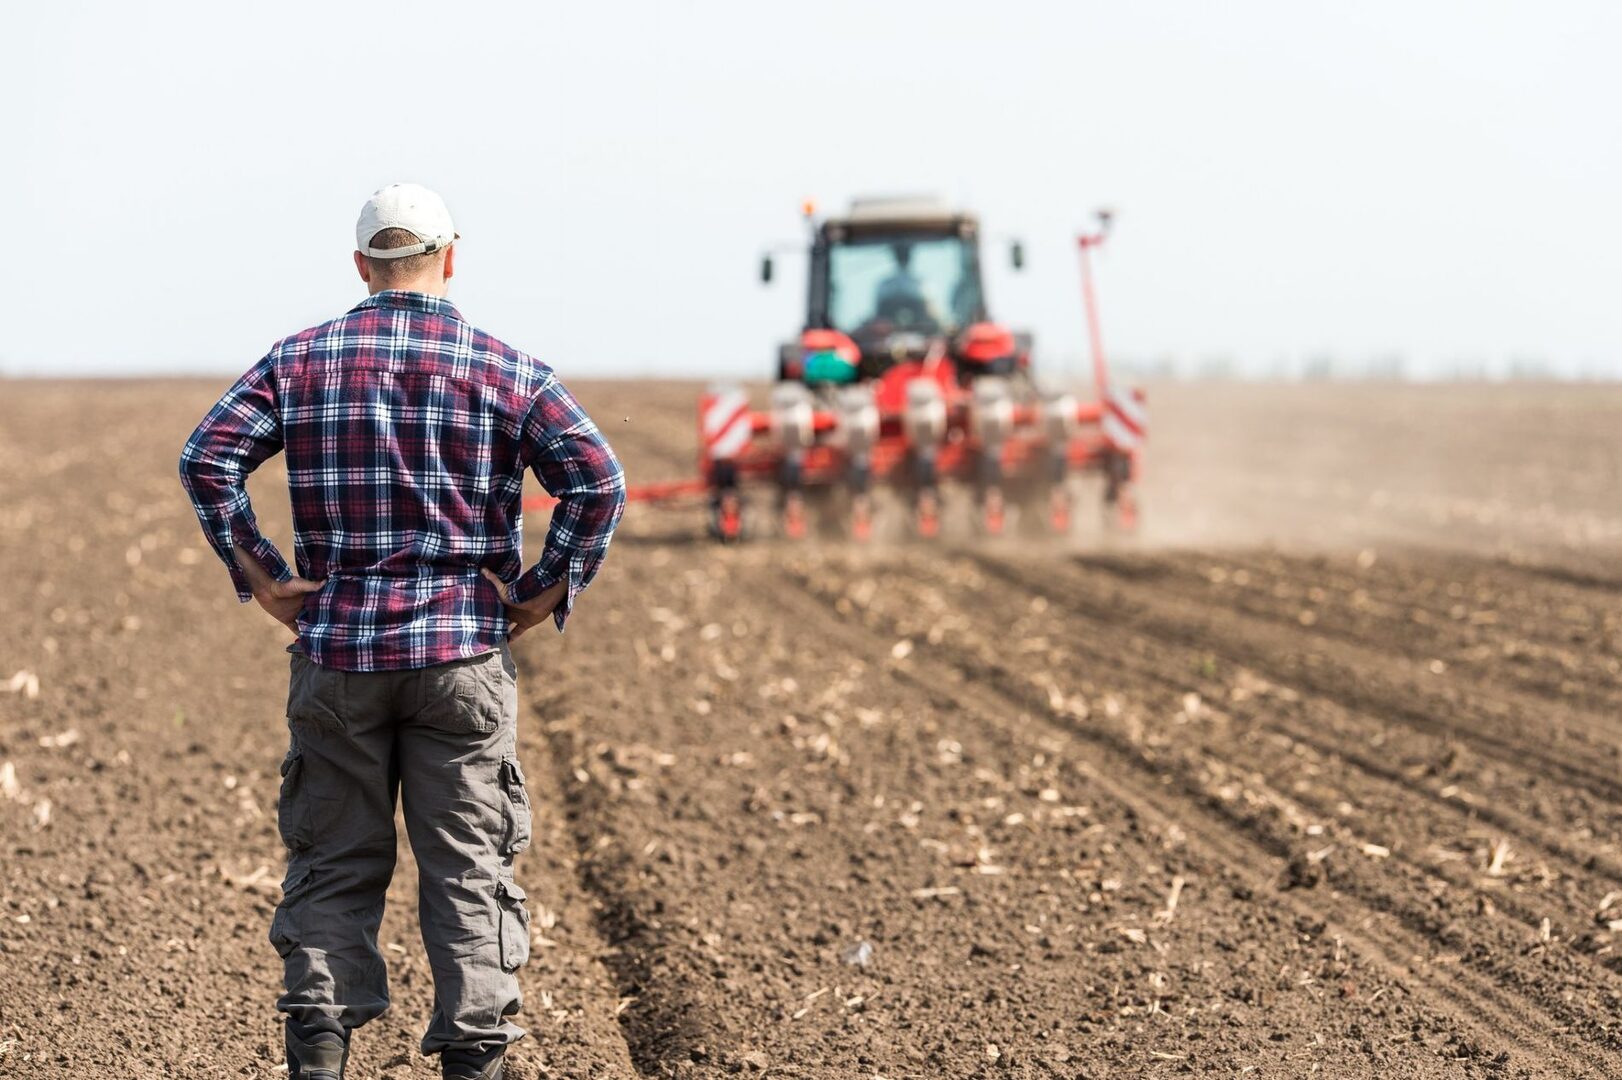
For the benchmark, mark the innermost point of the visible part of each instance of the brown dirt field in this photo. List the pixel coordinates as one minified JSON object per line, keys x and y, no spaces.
{"x":1323,"y":775}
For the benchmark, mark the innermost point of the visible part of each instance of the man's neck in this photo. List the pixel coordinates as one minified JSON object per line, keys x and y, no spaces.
{"x":430,"y":286}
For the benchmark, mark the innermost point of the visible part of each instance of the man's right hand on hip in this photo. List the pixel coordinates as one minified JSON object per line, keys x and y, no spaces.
{"x":520,"y":617}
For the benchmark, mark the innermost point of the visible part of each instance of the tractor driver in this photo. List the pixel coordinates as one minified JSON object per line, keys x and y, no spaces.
{"x":901,"y":298}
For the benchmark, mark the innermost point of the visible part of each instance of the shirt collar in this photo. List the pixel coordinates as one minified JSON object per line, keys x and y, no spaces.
{"x":403,"y":300}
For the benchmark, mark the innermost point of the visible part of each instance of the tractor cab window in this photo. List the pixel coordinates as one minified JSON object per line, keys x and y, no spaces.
{"x":903,"y":284}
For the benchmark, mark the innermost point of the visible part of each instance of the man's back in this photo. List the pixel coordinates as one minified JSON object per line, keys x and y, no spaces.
{"x":407,"y":432}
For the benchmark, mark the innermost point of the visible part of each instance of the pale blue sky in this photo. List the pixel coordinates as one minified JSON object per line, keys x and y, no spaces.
{"x":1440,"y":180}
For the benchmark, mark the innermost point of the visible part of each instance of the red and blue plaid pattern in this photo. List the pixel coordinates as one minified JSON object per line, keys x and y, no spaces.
{"x":407,"y":432}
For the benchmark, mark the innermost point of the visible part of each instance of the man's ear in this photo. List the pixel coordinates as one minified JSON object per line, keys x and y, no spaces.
{"x":450,"y":262}
{"x":364,"y":267}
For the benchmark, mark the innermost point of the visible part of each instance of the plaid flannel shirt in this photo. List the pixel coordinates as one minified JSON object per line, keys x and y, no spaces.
{"x":407,"y":432}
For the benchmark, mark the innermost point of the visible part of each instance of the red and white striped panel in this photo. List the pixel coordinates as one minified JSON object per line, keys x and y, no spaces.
{"x":1126,"y":418}
{"x":724,"y":422}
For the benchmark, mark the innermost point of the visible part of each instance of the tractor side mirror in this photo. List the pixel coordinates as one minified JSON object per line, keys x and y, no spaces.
{"x":1016,"y":255}
{"x":765,"y":269}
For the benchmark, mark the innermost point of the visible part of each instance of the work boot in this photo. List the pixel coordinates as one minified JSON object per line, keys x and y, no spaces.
{"x":473,"y":1064}
{"x":321,"y":1057}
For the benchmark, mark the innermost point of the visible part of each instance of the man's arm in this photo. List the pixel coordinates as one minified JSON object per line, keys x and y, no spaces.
{"x":573,"y":461}
{"x":240,"y":431}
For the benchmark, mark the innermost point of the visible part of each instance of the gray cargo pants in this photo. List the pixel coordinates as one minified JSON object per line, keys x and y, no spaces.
{"x":444,"y":739}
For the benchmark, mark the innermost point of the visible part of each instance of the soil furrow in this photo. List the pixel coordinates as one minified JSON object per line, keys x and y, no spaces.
{"x":1252,"y":844}
{"x":1270,"y":746}
{"x":1579,"y":881}
{"x":1177,"y":672}
{"x":1449,"y":585}
{"x":1434,"y":761}
{"x":661,"y":1008}
{"x":1576,"y":662}
{"x":1359,"y":678}
{"x":1428,"y":774}
{"x":1256,"y":867}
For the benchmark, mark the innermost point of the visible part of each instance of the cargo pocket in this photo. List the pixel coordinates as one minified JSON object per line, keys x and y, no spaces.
{"x":312,"y":694}
{"x":293,"y":804}
{"x":463,"y":697}
{"x":284,"y":934}
{"x":514,"y":918}
{"x":518,"y":811}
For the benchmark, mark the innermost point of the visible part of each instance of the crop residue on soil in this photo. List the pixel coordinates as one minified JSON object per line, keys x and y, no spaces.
{"x":1323,"y":777}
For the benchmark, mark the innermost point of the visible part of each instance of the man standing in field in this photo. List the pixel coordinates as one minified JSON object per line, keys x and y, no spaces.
{"x":407,"y":433}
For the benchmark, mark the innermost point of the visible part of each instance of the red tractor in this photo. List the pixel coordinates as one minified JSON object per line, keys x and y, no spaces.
{"x":901,"y":378}
{"x":901,"y":381}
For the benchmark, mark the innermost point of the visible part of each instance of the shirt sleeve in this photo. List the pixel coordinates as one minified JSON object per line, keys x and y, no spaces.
{"x":576,"y":466}
{"x":242,"y":429}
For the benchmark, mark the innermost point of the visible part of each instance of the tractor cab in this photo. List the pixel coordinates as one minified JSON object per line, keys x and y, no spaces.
{"x":896,"y":281}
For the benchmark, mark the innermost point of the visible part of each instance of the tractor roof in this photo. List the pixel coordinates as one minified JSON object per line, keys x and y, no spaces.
{"x":900,"y":212}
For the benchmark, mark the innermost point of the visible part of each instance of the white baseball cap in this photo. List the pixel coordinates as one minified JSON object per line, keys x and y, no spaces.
{"x":411,"y":207}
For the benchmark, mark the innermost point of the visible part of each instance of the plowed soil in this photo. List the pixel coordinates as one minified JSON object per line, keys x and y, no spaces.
{"x":1321,"y":775}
